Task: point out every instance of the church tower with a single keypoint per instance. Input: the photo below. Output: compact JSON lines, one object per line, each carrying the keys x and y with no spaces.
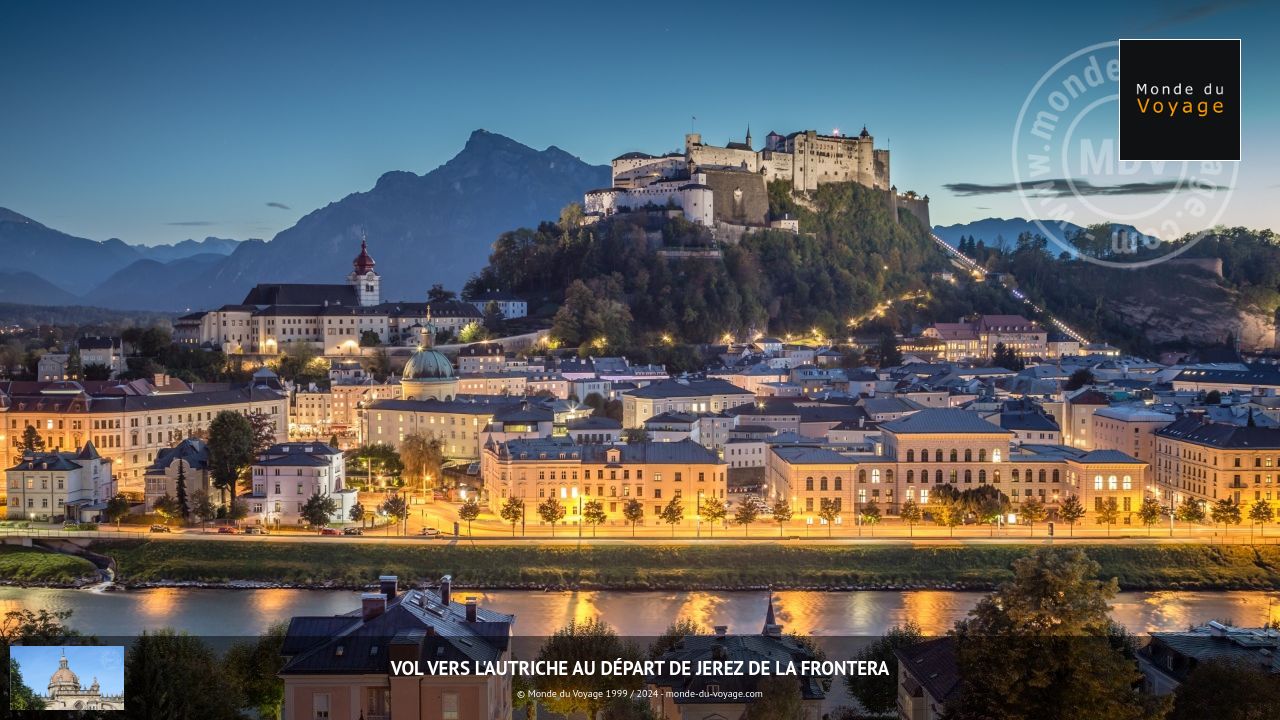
{"x":367,"y":283}
{"x":749,"y":145}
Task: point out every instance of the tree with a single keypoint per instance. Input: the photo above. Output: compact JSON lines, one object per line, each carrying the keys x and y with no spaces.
{"x":437,"y":294}
{"x":1190,"y":511}
{"x":1079,"y":379}
{"x":75,"y":366}
{"x":1227,"y":512}
{"x":318,"y":510}
{"x":237,"y":510}
{"x":1213,"y":397}
{"x":633,"y":512}
{"x":356,"y":513}
{"x":593,"y":514}
{"x":473,"y":332}
{"x":251,"y":667}
{"x":1150,"y":512}
{"x":117,"y":507}
{"x":231,"y":448}
{"x":494,"y":322}
{"x":580,"y":642}
{"x":780,"y":699}
{"x":380,"y":364}
{"x":673,"y":513}
{"x":396,"y":508}
{"x":1223,"y":690}
{"x":1108,"y":513}
{"x":469,"y":511}
{"x":202,"y":506}
{"x":171,"y":675}
{"x":21,"y":697}
{"x":1006,"y":357}
{"x":673,"y":636}
{"x":1261,"y":513}
{"x":31,"y":441}
{"x":871,"y":515}
{"x":910,"y":514}
{"x":423,"y":456}
{"x":369,"y":338}
{"x":551,"y":511}
{"x":635,"y":436}
{"x":829,"y":510}
{"x":166,"y":507}
{"x":1071,"y":512}
{"x":1032,"y":512}
{"x":747,"y":512}
{"x":781,"y":512}
{"x":264,"y":431}
{"x":1042,"y":645}
{"x":184,"y":508}
{"x":97,"y":372}
{"x":878,"y":694}
{"x":513,"y":512}
{"x":890,"y":355}
{"x":714,"y":512}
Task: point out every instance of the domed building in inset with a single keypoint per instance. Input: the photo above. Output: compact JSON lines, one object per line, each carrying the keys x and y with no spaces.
{"x":428,"y":374}
{"x":65,"y":692}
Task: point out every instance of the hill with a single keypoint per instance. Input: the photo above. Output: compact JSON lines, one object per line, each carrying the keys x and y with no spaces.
{"x":21,"y":286}
{"x":618,"y":279}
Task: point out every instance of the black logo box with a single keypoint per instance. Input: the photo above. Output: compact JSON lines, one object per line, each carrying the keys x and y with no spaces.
{"x":1189,"y":64}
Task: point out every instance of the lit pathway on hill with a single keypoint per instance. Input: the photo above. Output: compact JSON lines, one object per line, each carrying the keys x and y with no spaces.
{"x":977,"y":269}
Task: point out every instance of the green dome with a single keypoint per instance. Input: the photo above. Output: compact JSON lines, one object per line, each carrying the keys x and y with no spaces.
{"x":427,"y":364}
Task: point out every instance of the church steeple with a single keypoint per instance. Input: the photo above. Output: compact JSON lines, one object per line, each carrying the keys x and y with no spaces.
{"x":749,"y":136}
{"x":366,"y":282}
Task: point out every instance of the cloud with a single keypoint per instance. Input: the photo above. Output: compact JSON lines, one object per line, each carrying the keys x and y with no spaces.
{"x":1060,"y":187}
{"x":1196,"y":12}
{"x":280,"y":205}
{"x":192,"y":223}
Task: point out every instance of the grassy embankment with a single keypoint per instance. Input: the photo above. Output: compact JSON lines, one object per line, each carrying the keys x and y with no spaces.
{"x":644,"y":567}
{"x":40,"y":567}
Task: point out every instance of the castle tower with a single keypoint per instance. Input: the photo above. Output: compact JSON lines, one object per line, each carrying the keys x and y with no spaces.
{"x":749,"y":136}
{"x":368,"y":284}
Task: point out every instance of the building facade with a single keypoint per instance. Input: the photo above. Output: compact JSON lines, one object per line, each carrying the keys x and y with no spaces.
{"x":286,"y":475}
{"x":1208,"y":461}
{"x":46,"y":485}
{"x":684,"y":396}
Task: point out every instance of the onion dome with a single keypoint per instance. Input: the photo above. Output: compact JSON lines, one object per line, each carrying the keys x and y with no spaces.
{"x":363,"y":263}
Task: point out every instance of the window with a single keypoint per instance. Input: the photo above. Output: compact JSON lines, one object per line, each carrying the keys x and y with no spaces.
{"x":808,"y":483}
{"x":1097,"y":482}
{"x":449,"y":706}
{"x":320,"y":706}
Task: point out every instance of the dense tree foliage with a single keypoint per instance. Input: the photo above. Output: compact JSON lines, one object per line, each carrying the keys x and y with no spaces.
{"x":850,"y":255}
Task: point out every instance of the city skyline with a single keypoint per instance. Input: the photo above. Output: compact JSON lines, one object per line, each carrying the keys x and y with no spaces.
{"x":178,"y":123}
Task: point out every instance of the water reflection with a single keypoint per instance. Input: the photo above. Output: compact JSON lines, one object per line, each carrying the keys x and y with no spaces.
{"x":245,"y":612}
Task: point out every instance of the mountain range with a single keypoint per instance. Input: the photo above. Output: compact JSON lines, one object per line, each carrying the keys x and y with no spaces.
{"x":422,"y":229}
{"x":992,"y":230}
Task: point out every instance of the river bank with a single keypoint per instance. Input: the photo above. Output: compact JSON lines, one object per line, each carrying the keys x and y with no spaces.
{"x":213,"y":564}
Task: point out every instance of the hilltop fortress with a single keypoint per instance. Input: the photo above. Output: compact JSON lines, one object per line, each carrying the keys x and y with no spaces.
{"x":725,"y":188}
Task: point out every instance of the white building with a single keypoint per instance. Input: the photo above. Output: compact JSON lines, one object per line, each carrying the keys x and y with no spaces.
{"x":104,"y":351}
{"x":44,"y":486}
{"x":288,"y":474}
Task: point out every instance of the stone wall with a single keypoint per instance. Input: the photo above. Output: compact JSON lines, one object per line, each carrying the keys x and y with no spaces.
{"x":741,"y":198}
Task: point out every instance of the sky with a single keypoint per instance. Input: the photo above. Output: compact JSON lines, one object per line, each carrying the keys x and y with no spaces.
{"x":103,"y":662}
{"x":155,"y":122}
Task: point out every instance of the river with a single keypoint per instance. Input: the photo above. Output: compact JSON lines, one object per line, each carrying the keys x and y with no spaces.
{"x":209,"y":612}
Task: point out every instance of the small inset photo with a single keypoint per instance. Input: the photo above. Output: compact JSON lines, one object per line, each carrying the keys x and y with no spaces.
{"x":66,"y":678}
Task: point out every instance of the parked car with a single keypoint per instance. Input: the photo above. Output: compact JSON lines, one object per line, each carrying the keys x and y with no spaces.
{"x":329,"y":531}
{"x":226,"y":530}
{"x":257,"y":530}
{"x":429,"y":532}
{"x":352,"y":531}
{"x":160,"y":529}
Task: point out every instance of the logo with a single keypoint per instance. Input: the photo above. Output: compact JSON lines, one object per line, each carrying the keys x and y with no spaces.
{"x":1088,"y":202}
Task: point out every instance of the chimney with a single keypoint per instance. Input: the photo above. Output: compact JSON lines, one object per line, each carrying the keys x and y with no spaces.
{"x":446,"y":590}
{"x":389,"y":585}
{"x":372,"y":605}
{"x":471,"y":609}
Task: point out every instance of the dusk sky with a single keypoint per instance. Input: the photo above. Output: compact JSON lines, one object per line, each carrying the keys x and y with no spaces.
{"x":155,"y":122}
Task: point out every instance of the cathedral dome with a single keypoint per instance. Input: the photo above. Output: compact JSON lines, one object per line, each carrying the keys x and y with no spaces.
{"x":427,"y":364}
{"x":63,"y":679}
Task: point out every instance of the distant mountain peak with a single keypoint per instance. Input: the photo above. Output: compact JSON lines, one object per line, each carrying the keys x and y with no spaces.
{"x":7,"y":215}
